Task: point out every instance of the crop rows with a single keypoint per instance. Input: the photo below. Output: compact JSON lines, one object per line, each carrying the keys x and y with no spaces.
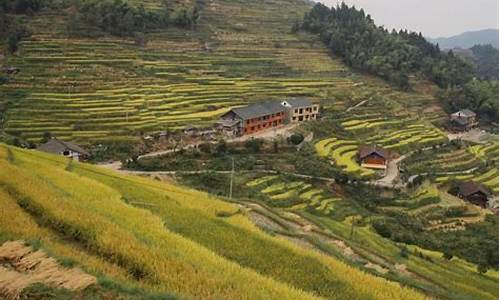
{"x":184,"y":247}
{"x":110,"y":88}
{"x":343,"y":154}
{"x":296,"y":194}
{"x":478,"y":163}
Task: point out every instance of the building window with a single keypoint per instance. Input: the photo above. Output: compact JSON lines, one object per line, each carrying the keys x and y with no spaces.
{"x":301,"y":111}
{"x":296,"y":110}
{"x":315,"y":108}
{"x":294,"y":118}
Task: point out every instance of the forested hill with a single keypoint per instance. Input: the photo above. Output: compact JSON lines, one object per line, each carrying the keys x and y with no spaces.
{"x":469,"y":39}
{"x":395,"y":56}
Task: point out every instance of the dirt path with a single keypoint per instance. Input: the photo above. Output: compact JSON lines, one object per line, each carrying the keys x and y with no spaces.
{"x":301,"y":231}
{"x":356,"y":106}
{"x":392,"y":172}
{"x":21,"y":266}
{"x":474,"y":135}
{"x":284,"y":131}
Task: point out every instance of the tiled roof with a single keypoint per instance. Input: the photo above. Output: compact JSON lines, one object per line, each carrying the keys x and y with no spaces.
{"x":365,"y":151}
{"x":470,"y":187}
{"x":57,"y":146}
{"x":258,"y":110}
{"x":299,"y":102}
{"x":465,"y":113}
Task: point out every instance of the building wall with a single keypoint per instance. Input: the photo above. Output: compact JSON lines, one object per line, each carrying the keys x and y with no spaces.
{"x":263,"y":123}
{"x":470,"y":121}
{"x":71,"y":154}
{"x":301,"y":114}
{"x":374,"y":160}
{"x":478,"y":199}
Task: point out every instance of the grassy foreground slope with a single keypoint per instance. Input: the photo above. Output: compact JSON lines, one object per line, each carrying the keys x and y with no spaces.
{"x":111,"y":89}
{"x":161,"y":237}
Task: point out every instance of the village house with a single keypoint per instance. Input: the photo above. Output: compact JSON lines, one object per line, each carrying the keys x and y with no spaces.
{"x":463,"y":120}
{"x":300,"y":109}
{"x":474,"y":193}
{"x":251,"y":119}
{"x":66,"y":149}
{"x":262,"y":116}
{"x":373,"y":157}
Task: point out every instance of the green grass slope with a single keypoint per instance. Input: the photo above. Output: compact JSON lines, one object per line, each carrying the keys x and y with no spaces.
{"x":143,"y":235}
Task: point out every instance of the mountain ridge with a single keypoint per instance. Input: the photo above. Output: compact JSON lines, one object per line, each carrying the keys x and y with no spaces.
{"x":468,"y":39}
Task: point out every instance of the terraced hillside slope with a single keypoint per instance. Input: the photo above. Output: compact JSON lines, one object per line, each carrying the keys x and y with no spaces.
{"x":142,"y":238}
{"x":112,"y":89}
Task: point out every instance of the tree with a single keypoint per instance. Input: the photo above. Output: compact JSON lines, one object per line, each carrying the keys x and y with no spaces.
{"x":447,"y":256}
{"x":296,"y":138}
{"x":482,"y":268}
{"x":254,"y":145}
{"x":46,"y":137}
{"x":13,"y":43}
{"x":221,"y":147}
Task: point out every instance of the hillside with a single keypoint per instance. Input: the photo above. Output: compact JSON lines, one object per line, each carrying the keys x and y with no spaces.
{"x":140,"y":237}
{"x":109,"y":89}
{"x":308,"y":221}
{"x":468,"y":39}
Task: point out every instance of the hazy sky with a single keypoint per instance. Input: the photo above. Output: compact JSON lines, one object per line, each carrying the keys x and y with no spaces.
{"x":434,"y":18}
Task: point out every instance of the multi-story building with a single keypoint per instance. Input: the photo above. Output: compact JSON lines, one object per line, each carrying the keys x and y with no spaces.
{"x":300,"y":110}
{"x":253,"y":118}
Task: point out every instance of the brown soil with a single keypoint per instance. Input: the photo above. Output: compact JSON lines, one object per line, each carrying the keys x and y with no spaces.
{"x":21,"y":266}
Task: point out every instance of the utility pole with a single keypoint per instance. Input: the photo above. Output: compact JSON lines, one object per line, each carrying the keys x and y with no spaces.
{"x":231,"y":182}
{"x":352,"y":228}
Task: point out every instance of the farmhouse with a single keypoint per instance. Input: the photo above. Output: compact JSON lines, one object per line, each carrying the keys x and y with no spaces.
{"x":67,"y":149}
{"x":373,"y":157}
{"x":474,"y":193}
{"x":300,"y":109}
{"x":463,"y":120}
{"x":252,"y":118}
{"x":262,"y":116}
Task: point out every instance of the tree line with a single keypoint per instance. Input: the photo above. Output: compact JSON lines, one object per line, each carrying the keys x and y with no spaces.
{"x":12,"y":29}
{"x":485,"y":58}
{"x":89,"y":17}
{"x":391,"y":55}
{"x":120,"y":18}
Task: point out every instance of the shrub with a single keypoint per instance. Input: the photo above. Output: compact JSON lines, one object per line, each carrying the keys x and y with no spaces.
{"x":296,"y":138}
{"x":254,"y":145}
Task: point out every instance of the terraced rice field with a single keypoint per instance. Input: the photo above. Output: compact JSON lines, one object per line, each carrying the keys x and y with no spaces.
{"x":478,"y":163}
{"x":109,"y":88}
{"x":294,"y":194}
{"x":343,"y":154}
{"x":394,"y":133}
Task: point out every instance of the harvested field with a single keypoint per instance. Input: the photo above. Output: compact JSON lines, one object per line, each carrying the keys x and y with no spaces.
{"x":22,"y":266}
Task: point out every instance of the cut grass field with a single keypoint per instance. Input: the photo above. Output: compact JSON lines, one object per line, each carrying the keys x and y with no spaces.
{"x":164,"y":238}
